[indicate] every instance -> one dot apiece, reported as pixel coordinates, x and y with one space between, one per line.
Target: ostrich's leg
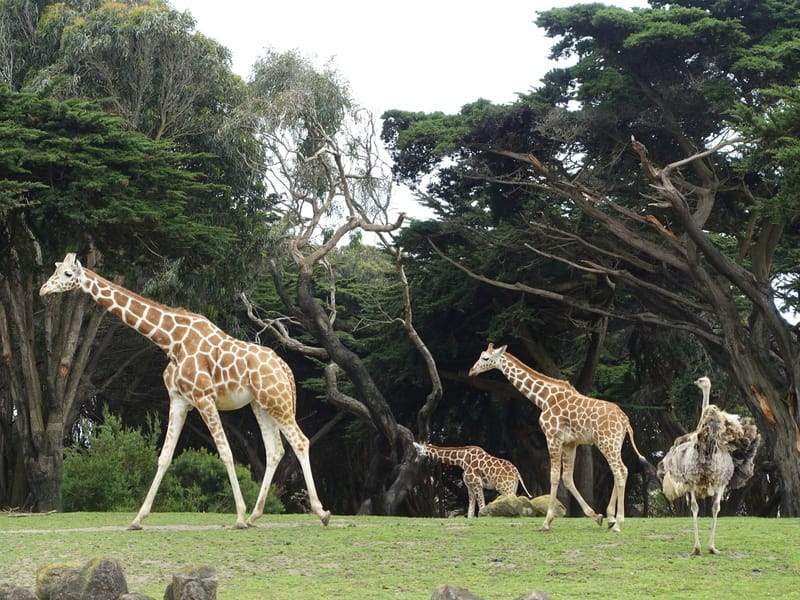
712 548
695 508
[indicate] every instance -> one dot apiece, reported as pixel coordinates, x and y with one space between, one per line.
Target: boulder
10 592
59 582
104 579
534 596
135 596
448 592
519 506
193 583
540 504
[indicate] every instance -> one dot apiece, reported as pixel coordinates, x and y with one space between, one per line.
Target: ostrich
718 455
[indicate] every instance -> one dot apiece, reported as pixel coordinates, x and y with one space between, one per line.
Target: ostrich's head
66 277
491 358
422 449
704 383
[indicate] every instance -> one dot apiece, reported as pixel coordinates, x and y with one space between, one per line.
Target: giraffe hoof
134 527
240 525
250 522
713 550
616 528
696 552
599 519
611 523
325 517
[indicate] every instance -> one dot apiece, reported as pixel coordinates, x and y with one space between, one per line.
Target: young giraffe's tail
523 485
649 469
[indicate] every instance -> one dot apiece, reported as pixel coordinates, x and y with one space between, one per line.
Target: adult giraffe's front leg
568 461
555 477
178 409
208 410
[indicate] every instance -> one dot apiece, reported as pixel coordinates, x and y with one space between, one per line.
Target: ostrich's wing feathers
743 451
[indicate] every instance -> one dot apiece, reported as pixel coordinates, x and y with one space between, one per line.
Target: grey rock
196 583
519 506
448 592
135 596
10 592
104 580
534 596
59 582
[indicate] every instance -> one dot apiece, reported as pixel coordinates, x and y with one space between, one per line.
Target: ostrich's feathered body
719 454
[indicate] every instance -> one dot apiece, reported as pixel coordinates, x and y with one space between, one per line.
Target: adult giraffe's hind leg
178 409
299 443
274 452
568 461
208 410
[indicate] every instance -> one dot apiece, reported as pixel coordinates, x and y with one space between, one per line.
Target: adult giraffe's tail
648 468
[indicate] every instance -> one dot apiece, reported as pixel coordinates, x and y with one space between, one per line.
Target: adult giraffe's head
67 276
422 449
491 358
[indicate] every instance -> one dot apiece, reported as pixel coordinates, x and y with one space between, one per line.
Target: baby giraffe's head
66 277
491 358
422 449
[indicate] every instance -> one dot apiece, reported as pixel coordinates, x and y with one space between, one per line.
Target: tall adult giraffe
568 420
210 371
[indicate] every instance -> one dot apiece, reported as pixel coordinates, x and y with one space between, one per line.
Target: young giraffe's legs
208 410
695 508
712 546
178 409
568 461
299 443
470 502
555 477
475 492
273 447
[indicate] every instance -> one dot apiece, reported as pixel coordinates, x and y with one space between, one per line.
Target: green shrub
199 483
114 471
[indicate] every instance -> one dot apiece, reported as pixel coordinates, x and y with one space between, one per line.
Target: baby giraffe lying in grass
481 470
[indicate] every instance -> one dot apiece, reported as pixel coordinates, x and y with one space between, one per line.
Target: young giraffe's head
66 277
422 449
491 358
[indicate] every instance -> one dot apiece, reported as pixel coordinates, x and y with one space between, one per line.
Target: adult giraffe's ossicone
570 419
210 371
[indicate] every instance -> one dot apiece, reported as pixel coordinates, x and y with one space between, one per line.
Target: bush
199 483
114 471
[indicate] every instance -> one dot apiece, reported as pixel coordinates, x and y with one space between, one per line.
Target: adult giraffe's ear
501 350
490 346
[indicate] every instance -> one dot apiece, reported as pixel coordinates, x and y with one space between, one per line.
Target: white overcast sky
410 54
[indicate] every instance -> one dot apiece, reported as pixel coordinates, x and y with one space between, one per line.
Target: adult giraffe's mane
452 447
143 299
535 374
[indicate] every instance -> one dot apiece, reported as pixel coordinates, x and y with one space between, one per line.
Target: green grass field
293 556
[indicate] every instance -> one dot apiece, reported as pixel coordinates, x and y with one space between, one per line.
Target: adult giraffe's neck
145 316
535 386
449 456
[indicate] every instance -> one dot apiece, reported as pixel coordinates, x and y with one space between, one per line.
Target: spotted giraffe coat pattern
481 470
210 371
569 419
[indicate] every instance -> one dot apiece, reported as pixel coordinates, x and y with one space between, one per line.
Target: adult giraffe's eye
68 273
485 358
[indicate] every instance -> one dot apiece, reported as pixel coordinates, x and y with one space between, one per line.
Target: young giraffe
208 370
481 470
568 419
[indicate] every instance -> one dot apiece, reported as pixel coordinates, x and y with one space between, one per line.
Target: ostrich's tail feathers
672 489
743 453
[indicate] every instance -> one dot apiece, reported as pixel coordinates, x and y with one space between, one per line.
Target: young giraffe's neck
145 316
535 386
449 456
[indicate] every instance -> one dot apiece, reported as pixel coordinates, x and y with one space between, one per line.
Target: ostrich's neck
706 397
